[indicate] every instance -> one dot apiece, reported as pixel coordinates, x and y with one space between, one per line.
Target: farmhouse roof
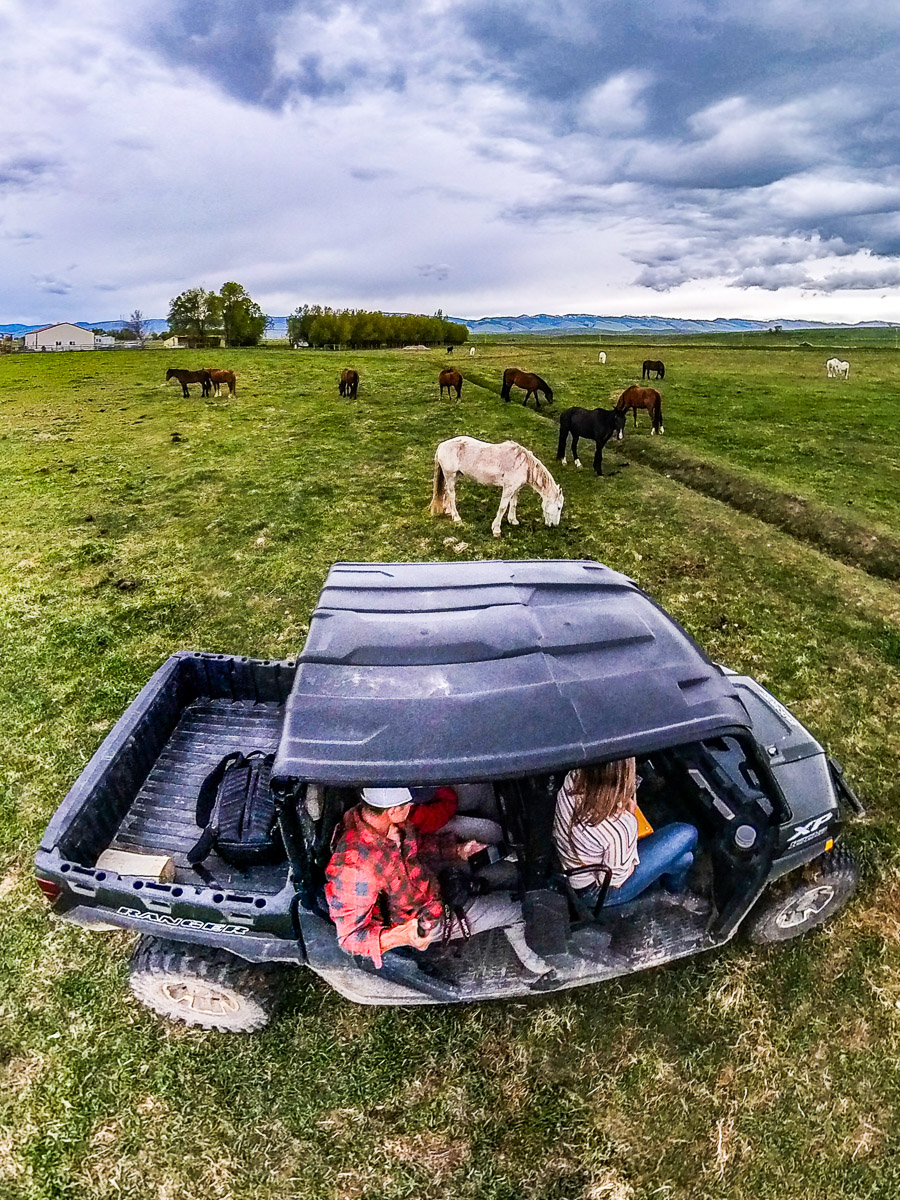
57 325
429 672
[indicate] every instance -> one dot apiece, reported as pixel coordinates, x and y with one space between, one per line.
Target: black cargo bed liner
160 819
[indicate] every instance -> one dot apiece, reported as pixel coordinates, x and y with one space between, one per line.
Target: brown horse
653 364
349 384
220 377
449 380
186 377
636 397
531 385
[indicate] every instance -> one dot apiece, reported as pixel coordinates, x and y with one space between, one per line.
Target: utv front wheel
808 900
203 986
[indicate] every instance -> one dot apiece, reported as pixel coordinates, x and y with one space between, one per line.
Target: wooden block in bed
148 866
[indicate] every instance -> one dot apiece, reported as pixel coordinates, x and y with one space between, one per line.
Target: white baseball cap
387 797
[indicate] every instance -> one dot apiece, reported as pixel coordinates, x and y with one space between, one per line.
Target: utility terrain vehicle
505 674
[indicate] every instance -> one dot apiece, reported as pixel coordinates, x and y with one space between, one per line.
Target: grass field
133 523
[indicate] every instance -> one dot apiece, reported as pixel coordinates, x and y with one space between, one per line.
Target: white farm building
64 336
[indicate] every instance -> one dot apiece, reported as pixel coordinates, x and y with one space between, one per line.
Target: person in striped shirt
595 825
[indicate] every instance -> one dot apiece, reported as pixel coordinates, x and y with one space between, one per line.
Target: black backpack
236 811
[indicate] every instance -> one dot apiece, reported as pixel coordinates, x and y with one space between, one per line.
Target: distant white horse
602 357
837 369
471 352
506 465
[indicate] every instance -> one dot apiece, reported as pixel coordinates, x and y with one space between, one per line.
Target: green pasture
134 522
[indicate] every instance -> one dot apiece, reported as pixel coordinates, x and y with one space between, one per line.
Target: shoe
544 983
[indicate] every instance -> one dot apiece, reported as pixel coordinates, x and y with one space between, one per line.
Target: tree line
233 314
358 328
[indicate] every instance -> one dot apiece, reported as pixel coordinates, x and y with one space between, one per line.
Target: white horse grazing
837 369
602 357
471 352
506 465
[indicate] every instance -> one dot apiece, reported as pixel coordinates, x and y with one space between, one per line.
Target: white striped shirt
611 843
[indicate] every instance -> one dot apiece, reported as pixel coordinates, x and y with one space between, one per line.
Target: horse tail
662 370
439 492
504 391
657 412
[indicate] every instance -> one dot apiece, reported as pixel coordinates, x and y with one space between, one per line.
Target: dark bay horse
598 424
349 384
636 397
530 384
220 377
185 377
450 380
653 364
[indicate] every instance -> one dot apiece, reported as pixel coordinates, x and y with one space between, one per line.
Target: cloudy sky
679 157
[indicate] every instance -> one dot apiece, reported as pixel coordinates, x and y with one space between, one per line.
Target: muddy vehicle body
495 676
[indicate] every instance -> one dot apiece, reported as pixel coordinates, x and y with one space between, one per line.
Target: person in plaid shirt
382 889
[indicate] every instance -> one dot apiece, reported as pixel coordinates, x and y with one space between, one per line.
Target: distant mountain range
585 323
541 323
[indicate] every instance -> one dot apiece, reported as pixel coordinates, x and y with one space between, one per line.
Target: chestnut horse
186 377
449 380
219 377
530 384
349 384
636 397
653 364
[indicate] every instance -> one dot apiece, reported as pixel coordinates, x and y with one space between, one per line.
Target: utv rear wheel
806 900
203 986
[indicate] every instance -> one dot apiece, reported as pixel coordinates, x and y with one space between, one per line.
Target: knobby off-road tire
203 986
805 900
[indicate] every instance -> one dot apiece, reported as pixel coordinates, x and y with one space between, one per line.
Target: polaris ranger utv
501 674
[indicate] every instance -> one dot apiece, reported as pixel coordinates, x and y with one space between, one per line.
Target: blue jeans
667 854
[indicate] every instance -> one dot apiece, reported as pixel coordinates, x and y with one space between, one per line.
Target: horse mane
537 474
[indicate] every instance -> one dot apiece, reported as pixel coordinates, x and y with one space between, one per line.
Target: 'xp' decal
184 922
809 828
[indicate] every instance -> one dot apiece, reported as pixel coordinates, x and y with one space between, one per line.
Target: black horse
185 377
653 364
598 424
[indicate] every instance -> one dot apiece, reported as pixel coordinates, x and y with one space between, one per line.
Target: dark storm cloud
21 170
52 284
233 45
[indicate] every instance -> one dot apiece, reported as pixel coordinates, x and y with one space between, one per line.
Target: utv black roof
439 672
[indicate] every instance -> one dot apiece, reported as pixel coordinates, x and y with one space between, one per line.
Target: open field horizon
134 523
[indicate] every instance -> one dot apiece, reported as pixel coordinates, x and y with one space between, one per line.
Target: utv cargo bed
139 794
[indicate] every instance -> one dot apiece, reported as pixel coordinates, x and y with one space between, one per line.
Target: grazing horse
837 369
530 384
601 357
471 352
506 465
653 364
450 379
349 384
185 377
219 377
598 424
449 349
635 397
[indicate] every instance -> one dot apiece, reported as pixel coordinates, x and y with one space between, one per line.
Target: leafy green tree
243 320
357 328
196 312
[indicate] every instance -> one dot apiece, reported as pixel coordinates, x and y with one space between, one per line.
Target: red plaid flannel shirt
367 865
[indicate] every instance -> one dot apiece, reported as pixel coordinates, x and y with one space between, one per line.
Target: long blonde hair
601 792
